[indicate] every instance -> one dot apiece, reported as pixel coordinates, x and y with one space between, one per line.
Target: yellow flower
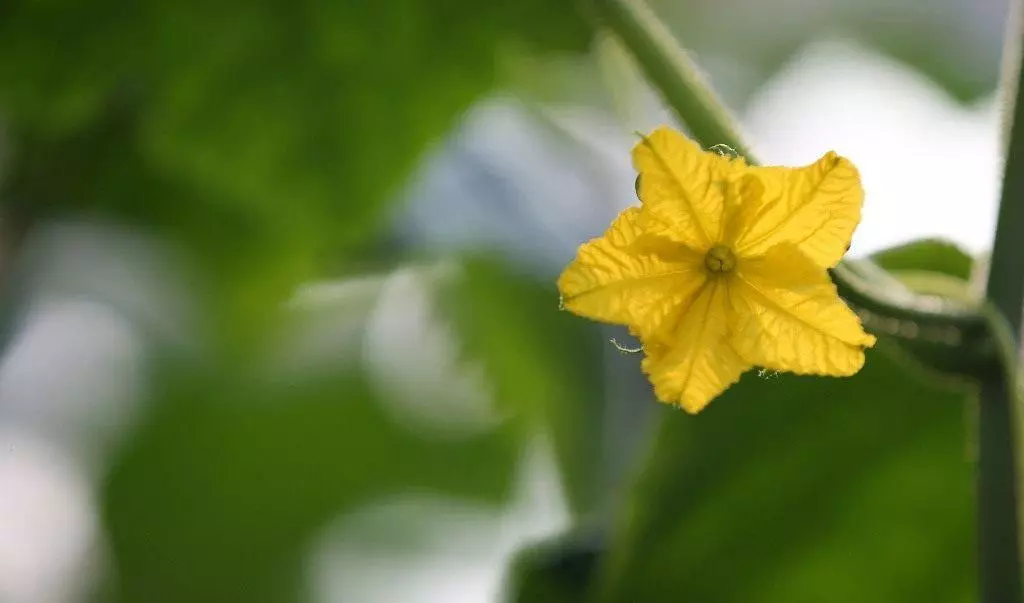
723 268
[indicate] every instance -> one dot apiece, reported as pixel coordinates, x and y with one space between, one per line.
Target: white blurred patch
531 185
48 523
135 274
426 549
930 167
73 373
94 298
327 328
416 360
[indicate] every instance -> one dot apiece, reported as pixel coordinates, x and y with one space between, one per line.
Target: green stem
997 506
1006 269
672 71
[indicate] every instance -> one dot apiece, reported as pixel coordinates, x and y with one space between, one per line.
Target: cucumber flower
723 267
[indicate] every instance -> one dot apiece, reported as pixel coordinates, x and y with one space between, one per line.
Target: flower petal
682 188
816 207
700 364
789 317
619 278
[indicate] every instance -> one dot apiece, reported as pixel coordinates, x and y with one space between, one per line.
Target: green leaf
791 488
264 136
940 273
219 494
927 41
541 360
558 571
928 255
932 267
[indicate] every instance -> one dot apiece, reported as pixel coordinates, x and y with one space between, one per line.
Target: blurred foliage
265 138
943 270
263 135
933 267
791 488
931 255
250 470
955 44
541 360
218 496
559 571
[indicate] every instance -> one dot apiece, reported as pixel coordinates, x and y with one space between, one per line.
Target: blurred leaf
791 488
540 359
264 135
559 571
935 268
929 255
927 48
956 44
219 495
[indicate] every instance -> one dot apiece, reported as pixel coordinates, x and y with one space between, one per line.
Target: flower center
719 259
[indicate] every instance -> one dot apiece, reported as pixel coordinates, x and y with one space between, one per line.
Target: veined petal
699 364
682 188
619 278
789 317
816 208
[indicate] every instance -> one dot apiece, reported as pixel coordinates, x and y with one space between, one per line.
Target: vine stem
997 496
684 89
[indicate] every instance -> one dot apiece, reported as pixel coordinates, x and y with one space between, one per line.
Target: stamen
719 259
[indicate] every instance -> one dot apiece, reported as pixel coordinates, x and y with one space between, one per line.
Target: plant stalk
997 496
672 72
